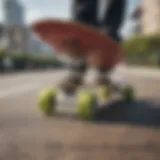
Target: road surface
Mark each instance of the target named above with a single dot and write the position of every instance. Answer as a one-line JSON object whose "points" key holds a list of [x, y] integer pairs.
{"points": [[121, 132]]}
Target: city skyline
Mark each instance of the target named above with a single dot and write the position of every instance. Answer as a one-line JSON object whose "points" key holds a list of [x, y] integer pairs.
{"points": [[61, 9]]}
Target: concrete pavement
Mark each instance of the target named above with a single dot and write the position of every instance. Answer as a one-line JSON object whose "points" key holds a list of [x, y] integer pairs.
{"points": [[124, 131]]}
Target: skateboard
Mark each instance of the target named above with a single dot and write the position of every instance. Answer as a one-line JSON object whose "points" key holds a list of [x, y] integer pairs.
{"points": [[99, 50]]}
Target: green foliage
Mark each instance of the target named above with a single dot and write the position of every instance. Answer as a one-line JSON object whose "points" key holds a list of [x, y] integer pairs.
{"points": [[142, 45], [25, 60], [19, 60], [1, 54], [1, 59], [143, 50], [42, 61]]}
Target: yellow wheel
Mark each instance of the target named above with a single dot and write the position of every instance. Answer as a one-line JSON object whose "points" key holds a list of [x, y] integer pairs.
{"points": [[86, 105], [128, 93], [104, 92], [47, 101]]}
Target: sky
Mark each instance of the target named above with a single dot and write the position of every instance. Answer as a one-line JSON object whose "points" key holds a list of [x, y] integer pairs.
{"points": [[35, 9]]}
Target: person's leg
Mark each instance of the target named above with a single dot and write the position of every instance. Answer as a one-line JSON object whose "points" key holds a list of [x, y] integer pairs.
{"points": [[113, 18], [85, 11]]}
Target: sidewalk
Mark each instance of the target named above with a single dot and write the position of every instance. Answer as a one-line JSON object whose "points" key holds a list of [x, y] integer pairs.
{"points": [[139, 70]]}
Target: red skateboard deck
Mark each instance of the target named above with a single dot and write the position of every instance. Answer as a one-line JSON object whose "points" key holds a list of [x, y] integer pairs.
{"points": [[100, 50]]}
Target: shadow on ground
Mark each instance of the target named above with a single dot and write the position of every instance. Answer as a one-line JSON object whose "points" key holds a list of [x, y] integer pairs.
{"points": [[140, 112]]}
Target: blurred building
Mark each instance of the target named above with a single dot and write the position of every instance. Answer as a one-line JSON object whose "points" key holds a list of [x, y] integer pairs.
{"points": [[2, 37], [15, 29], [38, 47], [1, 30], [147, 16], [13, 13], [19, 37], [35, 45]]}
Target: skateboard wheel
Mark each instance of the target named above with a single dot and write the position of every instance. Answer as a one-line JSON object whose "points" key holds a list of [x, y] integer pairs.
{"points": [[47, 101], [86, 105], [128, 93], [104, 92]]}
